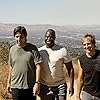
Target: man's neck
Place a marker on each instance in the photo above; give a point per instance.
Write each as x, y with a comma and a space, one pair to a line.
21, 45
91, 54
50, 46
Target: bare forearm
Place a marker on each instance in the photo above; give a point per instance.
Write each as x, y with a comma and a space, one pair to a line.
8, 88
71, 76
79, 80
79, 87
9, 75
70, 69
37, 72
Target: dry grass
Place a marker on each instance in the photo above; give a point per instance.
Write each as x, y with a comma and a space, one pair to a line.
3, 81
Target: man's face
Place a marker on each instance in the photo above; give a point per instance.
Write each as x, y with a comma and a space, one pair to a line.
49, 39
20, 39
88, 46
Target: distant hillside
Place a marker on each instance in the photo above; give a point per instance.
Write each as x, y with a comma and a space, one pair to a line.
8, 28
70, 31
67, 36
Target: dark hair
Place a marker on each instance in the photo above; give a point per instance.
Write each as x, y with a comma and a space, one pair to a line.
51, 31
21, 30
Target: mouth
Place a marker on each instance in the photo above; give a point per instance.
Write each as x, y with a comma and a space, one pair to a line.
19, 43
48, 41
88, 49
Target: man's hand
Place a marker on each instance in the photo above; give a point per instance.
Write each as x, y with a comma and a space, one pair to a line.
71, 91
8, 88
36, 89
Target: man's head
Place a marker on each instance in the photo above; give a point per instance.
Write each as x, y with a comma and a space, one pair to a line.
21, 30
88, 41
89, 37
50, 38
20, 35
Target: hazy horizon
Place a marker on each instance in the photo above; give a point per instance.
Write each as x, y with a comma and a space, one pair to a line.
54, 12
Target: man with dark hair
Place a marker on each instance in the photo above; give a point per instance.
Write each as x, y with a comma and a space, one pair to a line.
24, 70
53, 85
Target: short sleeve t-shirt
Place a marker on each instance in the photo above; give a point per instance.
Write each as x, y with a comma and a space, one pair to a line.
23, 61
52, 68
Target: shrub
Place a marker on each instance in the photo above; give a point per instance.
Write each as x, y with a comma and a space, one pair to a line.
4, 52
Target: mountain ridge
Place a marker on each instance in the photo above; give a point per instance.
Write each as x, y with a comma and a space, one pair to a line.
43, 27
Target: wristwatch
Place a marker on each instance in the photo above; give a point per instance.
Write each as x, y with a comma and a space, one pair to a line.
38, 82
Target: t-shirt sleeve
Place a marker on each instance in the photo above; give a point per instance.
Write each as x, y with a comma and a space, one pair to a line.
37, 57
67, 57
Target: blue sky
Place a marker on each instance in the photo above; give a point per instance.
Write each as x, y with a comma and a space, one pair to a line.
55, 12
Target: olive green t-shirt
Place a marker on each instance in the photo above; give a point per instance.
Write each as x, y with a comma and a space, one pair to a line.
23, 61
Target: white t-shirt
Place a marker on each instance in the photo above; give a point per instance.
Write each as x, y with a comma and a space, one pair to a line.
52, 67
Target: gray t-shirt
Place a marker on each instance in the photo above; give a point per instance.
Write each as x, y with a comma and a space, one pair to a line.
23, 61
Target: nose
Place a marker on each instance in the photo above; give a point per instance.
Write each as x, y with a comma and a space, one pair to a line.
49, 38
86, 46
19, 39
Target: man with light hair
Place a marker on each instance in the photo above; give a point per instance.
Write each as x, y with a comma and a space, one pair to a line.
89, 70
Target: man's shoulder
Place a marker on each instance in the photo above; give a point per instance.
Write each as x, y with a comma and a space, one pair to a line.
42, 47
57, 47
98, 51
13, 47
31, 46
82, 56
